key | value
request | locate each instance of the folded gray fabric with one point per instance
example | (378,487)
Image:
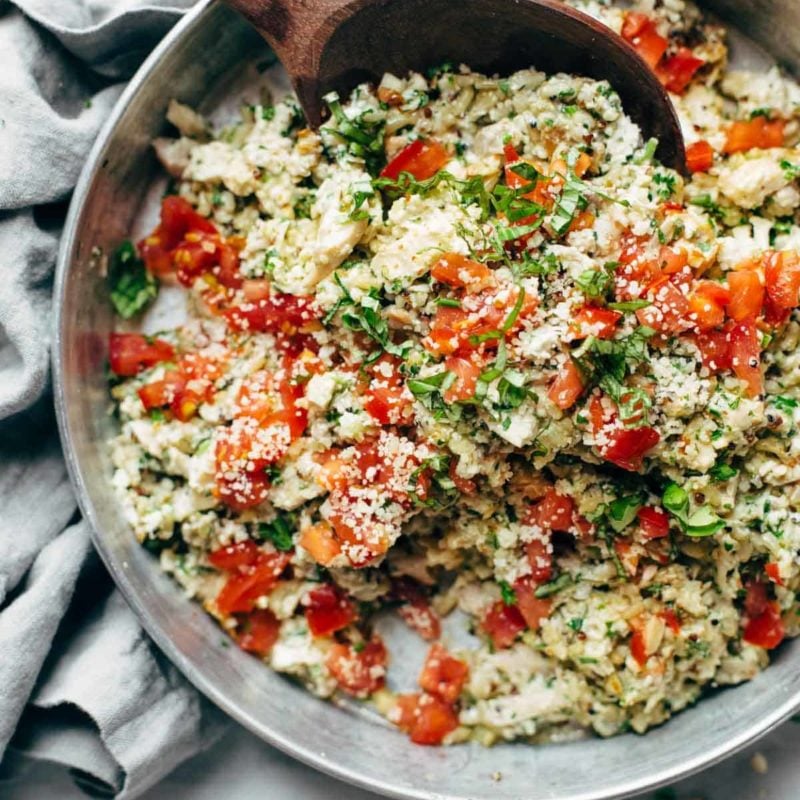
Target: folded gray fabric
(80,683)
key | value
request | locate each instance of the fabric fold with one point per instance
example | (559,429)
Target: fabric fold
(80,683)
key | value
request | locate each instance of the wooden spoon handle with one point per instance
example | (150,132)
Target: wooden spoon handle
(295,29)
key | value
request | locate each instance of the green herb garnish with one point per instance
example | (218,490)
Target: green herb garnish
(132,287)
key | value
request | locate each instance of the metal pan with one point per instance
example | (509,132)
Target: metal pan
(196,63)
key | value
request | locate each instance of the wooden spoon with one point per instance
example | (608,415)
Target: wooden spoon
(336,44)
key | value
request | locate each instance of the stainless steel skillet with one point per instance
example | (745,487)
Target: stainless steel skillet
(196,63)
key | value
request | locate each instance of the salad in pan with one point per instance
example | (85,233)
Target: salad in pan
(469,353)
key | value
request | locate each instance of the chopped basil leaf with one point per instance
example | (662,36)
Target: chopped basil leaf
(548,589)
(279,532)
(622,511)
(132,287)
(723,472)
(508,594)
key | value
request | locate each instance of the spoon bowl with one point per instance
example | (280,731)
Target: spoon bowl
(333,45)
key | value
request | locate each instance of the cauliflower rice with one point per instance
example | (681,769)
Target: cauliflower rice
(470,351)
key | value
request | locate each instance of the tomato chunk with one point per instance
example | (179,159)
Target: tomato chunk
(130,353)
(782,277)
(756,600)
(626,447)
(707,303)
(594,321)
(756,132)
(699,156)
(567,386)
(745,354)
(767,629)
(320,542)
(443,675)
(467,372)
(388,401)
(669,309)
(248,583)
(328,610)
(359,671)
(641,32)
(280,313)
(503,624)
(637,643)
(416,611)
(676,71)
(553,512)
(533,609)
(654,522)
(236,555)
(425,718)
(258,632)
(773,571)
(423,158)
(746,294)
(461,272)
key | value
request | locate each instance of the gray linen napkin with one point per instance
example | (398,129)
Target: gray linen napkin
(80,683)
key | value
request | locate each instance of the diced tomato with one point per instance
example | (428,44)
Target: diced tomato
(423,158)
(532,608)
(460,329)
(443,675)
(773,571)
(552,513)
(594,321)
(637,643)
(179,218)
(756,132)
(707,304)
(278,313)
(746,294)
(668,311)
(782,278)
(328,610)
(130,353)
(567,386)
(464,485)
(467,370)
(416,610)
(671,620)
(248,583)
(258,632)
(641,32)
(171,391)
(425,718)
(421,618)
(388,401)
(461,272)
(539,553)
(756,600)
(626,447)
(699,156)
(676,71)
(161,393)
(653,522)
(672,260)
(242,490)
(359,672)
(633,23)
(715,349)
(233,556)
(503,624)
(745,353)
(767,629)
(320,542)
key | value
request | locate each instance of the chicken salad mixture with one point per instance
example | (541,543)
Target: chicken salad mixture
(469,349)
